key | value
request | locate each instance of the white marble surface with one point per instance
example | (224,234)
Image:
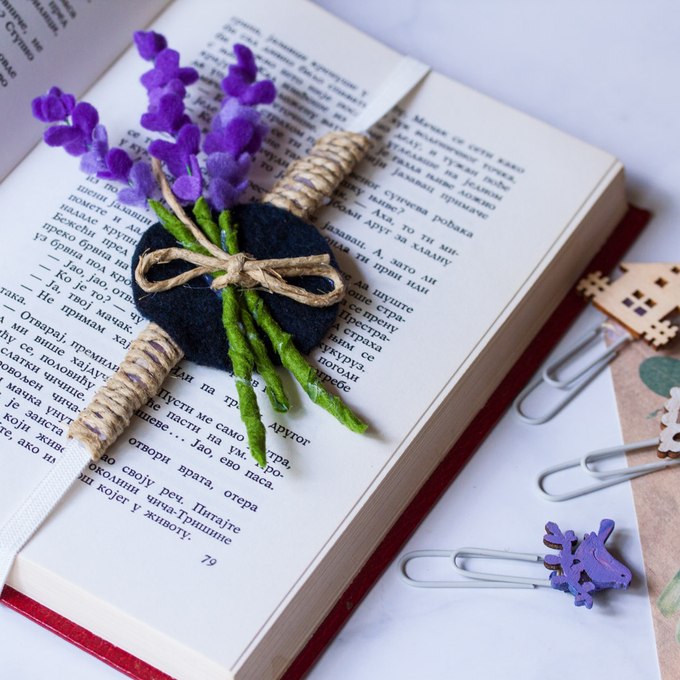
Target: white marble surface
(605,71)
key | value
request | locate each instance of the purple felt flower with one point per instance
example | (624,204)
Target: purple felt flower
(75,138)
(176,155)
(228,179)
(165,84)
(235,129)
(240,81)
(262,92)
(94,161)
(118,166)
(142,185)
(245,66)
(80,134)
(180,159)
(231,139)
(188,187)
(167,68)
(174,87)
(168,116)
(149,44)
(53,107)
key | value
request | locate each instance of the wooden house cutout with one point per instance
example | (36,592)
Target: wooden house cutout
(641,300)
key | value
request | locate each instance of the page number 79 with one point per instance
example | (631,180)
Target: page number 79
(209,561)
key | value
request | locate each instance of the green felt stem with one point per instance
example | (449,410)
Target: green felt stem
(246,348)
(205,221)
(293,360)
(175,227)
(240,353)
(263,364)
(283,345)
(242,361)
(230,232)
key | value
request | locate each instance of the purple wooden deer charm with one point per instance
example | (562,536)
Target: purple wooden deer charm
(586,568)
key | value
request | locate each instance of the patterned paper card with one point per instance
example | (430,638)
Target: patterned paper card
(642,381)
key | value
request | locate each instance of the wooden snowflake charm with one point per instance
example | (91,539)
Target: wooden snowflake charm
(641,300)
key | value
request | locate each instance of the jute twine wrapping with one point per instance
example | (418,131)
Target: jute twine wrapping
(307,185)
(309,182)
(145,366)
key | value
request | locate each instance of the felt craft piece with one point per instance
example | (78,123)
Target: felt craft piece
(223,329)
(192,314)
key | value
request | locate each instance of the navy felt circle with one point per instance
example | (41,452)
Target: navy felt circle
(191,314)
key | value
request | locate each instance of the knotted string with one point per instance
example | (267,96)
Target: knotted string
(240,269)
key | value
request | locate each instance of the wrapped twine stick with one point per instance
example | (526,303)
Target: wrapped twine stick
(310,181)
(146,365)
(307,185)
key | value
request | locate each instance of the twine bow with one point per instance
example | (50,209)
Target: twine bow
(240,269)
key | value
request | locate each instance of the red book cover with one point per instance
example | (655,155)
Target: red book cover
(613,250)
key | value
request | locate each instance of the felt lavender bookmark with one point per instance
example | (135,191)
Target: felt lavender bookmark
(261,275)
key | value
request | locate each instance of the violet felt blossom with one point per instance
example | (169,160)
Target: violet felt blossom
(77,137)
(141,185)
(165,84)
(167,68)
(53,107)
(233,138)
(93,161)
(236,134)
(173,87)
(176,154)
(81,134)
(118,165)
(149,44)
(188,187)
(228,179)
(112,164)
(167,116)
(180,159)
(240,81)
(235,129)
(166,109)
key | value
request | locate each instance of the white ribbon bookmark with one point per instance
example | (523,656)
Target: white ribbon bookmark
(403,78)
(22,524)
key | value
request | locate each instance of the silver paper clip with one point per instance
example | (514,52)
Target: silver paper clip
(606,478)
(477,579)
(599,361)
(581,569)
(570,385)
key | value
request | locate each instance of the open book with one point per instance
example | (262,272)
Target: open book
(459,234)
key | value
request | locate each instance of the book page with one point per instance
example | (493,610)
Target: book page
(68,43)
(460,205)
